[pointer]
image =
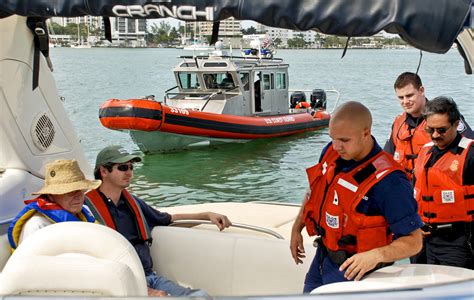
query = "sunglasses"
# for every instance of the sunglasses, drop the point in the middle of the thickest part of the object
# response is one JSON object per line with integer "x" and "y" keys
{"x": 439, "y": 130}
{"x": 124, "y": 167}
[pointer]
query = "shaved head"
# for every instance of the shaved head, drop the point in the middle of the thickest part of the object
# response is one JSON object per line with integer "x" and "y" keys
{"x": 350, "y": 130}
{"x": 353, "y": 112}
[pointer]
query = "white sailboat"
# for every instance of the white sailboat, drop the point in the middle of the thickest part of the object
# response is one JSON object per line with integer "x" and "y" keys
{"x": 81, "y": 44}
{"x": 197, "y": 43}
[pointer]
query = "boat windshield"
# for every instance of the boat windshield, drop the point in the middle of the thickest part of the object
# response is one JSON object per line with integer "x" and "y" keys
{"x": 221, "y": 80}
{"x": 188, "y": 80}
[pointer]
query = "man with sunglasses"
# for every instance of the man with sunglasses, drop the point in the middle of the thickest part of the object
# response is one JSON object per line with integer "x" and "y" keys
{"x": 114, "y": 206}
{"x": 408, "y": 135}
{"x": 444, "y": 187}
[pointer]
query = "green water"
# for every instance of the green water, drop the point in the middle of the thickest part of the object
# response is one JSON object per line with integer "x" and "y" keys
{"x": 269, "y": 170}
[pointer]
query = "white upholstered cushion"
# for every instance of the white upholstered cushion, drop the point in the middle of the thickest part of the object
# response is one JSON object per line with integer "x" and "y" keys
{"x": 74, "y": 258}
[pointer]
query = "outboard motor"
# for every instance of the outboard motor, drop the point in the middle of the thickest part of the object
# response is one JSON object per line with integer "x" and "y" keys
{"x": 318, "y": 99}
{"x": 296, "y": 97}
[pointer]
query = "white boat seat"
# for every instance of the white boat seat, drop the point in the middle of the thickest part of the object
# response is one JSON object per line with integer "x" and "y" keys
{"x": 74, "y": 258}
{"x": 4, "y": 250}
{"x": 228, "y": 264}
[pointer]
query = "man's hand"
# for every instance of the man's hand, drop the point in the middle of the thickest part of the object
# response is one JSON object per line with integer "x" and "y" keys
{"x": 296, "y": 246}
{"x": 156, "y": 293}
{"x": 357, "y": 265}
{"x": 221, "y": 221}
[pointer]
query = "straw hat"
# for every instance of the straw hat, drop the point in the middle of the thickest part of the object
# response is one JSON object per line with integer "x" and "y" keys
{"x": 64, "y": 176}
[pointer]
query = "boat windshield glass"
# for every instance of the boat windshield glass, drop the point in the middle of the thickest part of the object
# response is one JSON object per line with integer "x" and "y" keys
{"x": 188, "y": 80}
{"x": 221, "y": 80}
{"x": 244, "y": 78}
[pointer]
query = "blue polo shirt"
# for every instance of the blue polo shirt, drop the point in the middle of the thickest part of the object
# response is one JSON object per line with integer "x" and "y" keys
{"x": 126, "y": 224}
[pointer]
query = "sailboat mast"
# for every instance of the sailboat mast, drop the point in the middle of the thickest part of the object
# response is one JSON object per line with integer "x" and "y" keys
{"x": 78, "y": 31}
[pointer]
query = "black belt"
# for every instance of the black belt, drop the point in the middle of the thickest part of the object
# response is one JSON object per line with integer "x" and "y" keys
{"x": 447, "y": 227}
{"x": 340, "y": 256}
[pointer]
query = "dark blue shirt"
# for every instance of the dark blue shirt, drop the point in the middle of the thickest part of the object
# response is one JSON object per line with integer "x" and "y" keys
{"x": 391, "y": 198}
{"x": 126, "y": 224}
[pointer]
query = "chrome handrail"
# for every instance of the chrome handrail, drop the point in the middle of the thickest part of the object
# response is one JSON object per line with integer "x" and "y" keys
{"x": 237, "y": 225}
{"x": 278, "y": 203}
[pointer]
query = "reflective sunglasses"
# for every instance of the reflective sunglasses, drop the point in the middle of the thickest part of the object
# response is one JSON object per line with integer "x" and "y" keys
{"x": 439, "y": 130}
{"x": 124, "y": 167}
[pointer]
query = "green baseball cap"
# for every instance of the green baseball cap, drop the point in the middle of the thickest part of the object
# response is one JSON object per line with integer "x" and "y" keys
{"x": 115, "y": 154}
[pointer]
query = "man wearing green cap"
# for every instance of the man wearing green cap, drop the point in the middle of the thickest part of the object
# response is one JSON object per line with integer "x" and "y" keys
{"x": 115, "y": 207}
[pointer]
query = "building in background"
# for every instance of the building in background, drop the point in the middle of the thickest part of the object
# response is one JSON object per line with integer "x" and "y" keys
{"x": 230, "y": 31}
{"x": 310, "y": 37}
{"x": 125, "y": 32}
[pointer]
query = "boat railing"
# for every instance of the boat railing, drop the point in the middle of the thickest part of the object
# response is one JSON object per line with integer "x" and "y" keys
{"x": 331, "y": 91}
{"x": 251, "y": 58}
{"x": 192, "y": 223}
{"x": 199, "y": 95}
{"x": 278, "y": 203}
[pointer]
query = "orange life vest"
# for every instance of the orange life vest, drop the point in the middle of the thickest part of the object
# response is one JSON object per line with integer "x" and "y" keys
{"x": 99, "y": 208}
{"x": 441, "y": 196}
{"x": 408, "y": 142}
{"x": 330, "y": 209}
{"x": 302, "y": 104}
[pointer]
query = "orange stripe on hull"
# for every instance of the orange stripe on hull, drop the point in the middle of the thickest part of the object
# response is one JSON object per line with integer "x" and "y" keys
{"x": 147, "y": 115}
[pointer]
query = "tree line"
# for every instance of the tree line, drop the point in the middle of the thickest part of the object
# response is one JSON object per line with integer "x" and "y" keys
{"x": 164, "y": 34}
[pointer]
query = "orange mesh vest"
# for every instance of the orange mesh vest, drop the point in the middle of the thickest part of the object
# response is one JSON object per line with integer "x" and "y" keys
{"x": 441, "y": 196}
{"x": 99, "y": 208}
{"x": 408, "y": 142}
{"x": 330, "y": 209}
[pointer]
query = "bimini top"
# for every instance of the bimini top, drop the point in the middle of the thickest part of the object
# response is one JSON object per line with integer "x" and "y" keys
{"x": 430, "y": 25}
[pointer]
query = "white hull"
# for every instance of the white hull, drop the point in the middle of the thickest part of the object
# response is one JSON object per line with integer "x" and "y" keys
{"x": 157, "y": 141}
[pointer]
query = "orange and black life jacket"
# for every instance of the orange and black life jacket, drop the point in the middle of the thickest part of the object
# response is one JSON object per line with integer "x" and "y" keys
{"x": 97, "y": 204}
{"x": 330, "y": 209}
{"x": 302, "y": 104}
{"x": 439, "y": 189}
{"x": 408, "y": 142}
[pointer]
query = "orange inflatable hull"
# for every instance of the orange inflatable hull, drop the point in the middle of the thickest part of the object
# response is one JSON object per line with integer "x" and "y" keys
{"x": 148, "y": 115}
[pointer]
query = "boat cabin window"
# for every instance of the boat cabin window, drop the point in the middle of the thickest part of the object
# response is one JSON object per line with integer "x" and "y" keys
{"x": 280, "y": 81}
{"x": 223, "y": 80}
{"x": 267, "y": 82}
{"x": 244, "y": 78}
{"x": 188, "y": 80}
{"x": 188, "y": 65}
{"x": 215, "y": 64}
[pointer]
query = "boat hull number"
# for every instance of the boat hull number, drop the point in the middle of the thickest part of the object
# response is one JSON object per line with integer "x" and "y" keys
{"x": 180, "y": 111}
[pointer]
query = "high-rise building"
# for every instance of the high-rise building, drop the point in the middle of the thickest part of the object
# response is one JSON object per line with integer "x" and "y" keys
{"x": 230, "y": 31}
{"x": 125, "y": 32}
{"x": 128, "y": 32}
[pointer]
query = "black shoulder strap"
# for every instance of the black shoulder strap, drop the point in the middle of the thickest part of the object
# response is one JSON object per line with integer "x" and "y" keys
{"x": 107, "y": 29}
{"x": 41, "y": 43}
{"x": 215, "y": 32}
{"x": 363, "y": 174}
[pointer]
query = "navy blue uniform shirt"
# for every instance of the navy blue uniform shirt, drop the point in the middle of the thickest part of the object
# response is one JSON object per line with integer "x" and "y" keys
{"x": 391, "y": 198}
{"x": 126, "y": 224}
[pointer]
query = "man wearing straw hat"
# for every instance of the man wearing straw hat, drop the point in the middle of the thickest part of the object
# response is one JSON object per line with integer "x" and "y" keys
{"x": 115, "y": 207}
{"x": 61, "y": 199}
